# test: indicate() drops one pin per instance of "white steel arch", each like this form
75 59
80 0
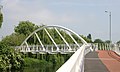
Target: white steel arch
56 26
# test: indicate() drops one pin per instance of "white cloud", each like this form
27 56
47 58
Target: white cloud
18 13
81 16
14 12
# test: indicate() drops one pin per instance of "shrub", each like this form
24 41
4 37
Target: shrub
9 59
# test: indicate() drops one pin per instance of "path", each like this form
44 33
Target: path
93 63
102 61
111 60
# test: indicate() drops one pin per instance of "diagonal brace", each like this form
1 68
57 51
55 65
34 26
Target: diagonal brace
51 39
63 39
40 41
74 40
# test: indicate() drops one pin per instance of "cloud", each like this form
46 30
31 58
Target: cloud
81 16
45 15
15 11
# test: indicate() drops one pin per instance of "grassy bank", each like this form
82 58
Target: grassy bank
36 65
32 62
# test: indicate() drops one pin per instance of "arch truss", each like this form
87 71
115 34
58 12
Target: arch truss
41 47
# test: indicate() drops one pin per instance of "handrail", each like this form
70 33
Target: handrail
75 62
107 46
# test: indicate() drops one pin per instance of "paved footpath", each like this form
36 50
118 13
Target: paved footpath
102 61
112 61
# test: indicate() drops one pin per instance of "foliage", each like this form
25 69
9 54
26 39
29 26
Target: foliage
107 41
89 36
98 41
25 27
1 19
14 39
86 39
118 42
32 62
46 40
9 59
67 37
47 62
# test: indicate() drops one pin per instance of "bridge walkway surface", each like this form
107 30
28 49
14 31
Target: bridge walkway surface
102 61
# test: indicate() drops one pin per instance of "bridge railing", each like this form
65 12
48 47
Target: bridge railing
116 48
63 48
76 61
106 46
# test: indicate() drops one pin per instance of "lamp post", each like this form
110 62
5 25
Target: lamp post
109 25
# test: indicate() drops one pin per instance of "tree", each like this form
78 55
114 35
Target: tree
14 39
9 59
107 41
118 42
86 39
89 36
25 27
1 18
98 41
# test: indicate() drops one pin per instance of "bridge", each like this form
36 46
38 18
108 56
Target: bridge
85 54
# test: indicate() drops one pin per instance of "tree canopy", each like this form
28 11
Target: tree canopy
9 59
107 41
1 19
118 41
89 36
98 41
14 39
25 27
86 39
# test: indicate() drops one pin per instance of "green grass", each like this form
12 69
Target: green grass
31 62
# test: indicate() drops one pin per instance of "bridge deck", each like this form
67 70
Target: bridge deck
102 61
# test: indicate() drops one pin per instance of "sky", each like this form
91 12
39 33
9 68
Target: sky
82 16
